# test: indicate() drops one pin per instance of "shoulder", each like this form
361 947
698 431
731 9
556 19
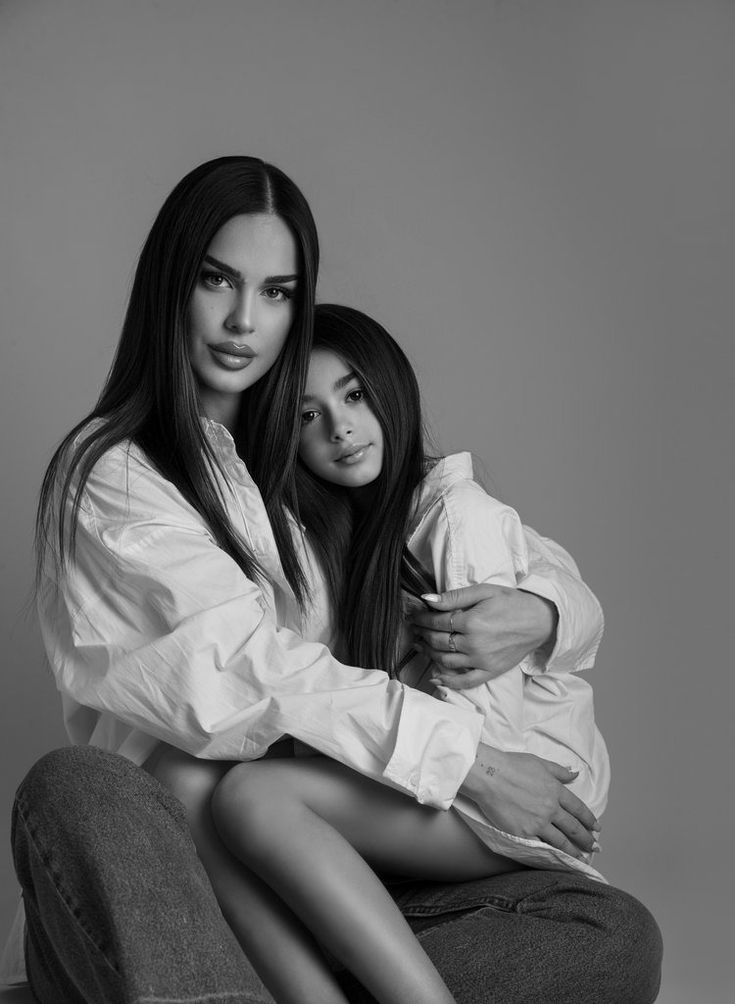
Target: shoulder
450 487
466 530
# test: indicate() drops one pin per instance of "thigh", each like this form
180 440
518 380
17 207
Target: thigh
119 906
390 830
535 936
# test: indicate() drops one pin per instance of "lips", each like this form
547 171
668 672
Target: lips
232 356
352 454
233 349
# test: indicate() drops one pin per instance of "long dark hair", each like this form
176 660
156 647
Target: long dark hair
361 549
151 397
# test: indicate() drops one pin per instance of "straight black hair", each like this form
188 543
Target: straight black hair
361 549
151 396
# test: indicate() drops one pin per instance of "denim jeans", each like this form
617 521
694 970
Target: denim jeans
120 911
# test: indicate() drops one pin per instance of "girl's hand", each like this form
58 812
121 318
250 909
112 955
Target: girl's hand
476 633
524 795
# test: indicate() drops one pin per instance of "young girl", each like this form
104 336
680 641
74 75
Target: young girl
382 518
400 520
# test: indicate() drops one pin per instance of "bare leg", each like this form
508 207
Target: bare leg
309 828
280 948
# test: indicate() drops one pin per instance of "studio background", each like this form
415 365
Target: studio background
536 198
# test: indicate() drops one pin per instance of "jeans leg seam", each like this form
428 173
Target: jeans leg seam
206 999
500 903
62 894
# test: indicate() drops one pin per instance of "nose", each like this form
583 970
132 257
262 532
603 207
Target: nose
341 428
241 319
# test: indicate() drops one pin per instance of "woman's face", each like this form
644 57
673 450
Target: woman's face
241 309
341 439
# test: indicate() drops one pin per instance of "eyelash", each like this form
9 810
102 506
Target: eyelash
208 277
283 295
355 397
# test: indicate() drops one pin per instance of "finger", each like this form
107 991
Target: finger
430 621
554 836
457 599
446 662
577 808
574 831
442 641
564 774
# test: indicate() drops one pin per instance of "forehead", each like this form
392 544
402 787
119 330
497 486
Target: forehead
326 368
256 243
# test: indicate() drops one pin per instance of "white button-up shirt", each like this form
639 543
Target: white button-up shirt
154 633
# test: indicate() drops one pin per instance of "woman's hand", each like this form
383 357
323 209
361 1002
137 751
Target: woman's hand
524 795
476 633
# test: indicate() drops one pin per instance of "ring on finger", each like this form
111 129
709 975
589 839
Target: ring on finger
451 623
452 645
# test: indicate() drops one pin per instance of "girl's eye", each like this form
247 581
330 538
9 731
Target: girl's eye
356 395
215 280
308 416
277 293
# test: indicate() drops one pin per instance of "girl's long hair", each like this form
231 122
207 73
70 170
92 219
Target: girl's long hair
361 550
151 397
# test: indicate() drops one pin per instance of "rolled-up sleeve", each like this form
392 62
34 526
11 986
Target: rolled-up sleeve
553 574
156 626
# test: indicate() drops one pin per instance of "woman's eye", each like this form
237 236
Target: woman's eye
215 280
356 395
277 293
308 416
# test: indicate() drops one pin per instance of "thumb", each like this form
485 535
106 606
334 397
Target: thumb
455 599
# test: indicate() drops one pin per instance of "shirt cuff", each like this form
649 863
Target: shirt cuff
433 752
575 649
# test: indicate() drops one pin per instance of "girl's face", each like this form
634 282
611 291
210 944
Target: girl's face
341 439
241 309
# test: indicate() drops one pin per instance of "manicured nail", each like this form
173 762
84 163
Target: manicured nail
596 834
596 846
430 597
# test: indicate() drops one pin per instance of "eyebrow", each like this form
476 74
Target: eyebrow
233 273
338 384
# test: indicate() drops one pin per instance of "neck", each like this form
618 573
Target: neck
222 408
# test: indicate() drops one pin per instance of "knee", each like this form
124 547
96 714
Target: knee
63 777
191 780
247 803
82 787
633 950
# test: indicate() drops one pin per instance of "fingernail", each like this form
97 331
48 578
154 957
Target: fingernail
596 834
430 597
596 846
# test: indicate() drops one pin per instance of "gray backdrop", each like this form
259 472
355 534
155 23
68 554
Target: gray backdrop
536 197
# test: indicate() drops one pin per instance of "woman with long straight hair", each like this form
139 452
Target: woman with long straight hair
172 596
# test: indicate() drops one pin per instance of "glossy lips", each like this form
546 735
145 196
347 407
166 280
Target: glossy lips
231 355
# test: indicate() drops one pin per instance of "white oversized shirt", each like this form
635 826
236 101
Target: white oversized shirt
154 633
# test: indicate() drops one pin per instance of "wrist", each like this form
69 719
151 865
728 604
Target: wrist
481 775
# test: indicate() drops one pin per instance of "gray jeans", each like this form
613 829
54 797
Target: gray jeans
120 911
